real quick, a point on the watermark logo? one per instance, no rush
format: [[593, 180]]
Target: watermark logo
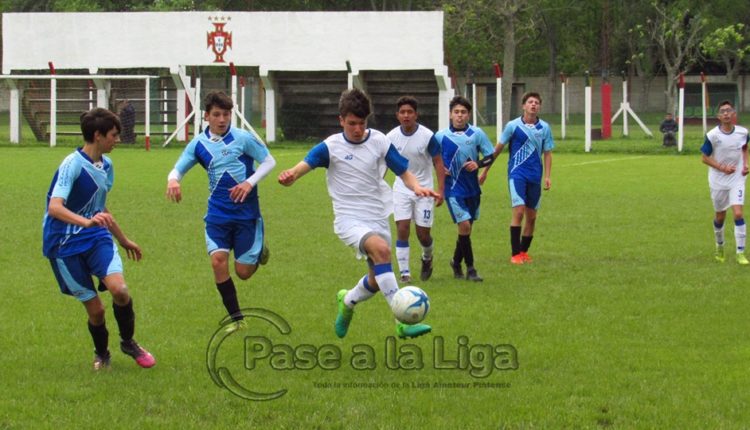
[[478, 361]]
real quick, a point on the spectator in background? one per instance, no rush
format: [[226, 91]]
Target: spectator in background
[[669, 128], [127, 118]]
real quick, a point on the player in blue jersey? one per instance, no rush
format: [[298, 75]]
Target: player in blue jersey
[[233, 219], [725, 152], [356, 161], [417, 143], [462, 143], [530, 143], [77, 236]]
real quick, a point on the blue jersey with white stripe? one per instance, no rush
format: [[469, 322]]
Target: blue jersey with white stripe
[[228, 160], [83, 186], [526, 143], [460, 146]]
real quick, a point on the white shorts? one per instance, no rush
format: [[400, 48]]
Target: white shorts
[[410, 206], [723, 199], [353, 232]]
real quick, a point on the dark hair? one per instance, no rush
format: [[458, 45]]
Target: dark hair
[[355, 102], [460, 100], [98, 119], [407, 100], [530, 94], [217, 99], [725, 102]]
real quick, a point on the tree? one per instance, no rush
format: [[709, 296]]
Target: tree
[[677, 32], [731, 44]]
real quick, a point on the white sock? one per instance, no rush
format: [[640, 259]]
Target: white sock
[[427, 252], [359, 293], [402, 256], [719, 233], [386, 281], [739, 235]]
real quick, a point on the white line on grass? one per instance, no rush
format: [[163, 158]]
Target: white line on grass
[[609, 160]]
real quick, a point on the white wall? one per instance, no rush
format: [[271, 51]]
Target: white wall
[[270, 40]]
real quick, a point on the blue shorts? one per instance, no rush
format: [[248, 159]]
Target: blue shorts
[[463, 208], [245, 238], [524, 193], [74, 273]]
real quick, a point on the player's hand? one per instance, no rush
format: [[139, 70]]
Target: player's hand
[[482, 177], [101, 219], [471, 166], [174, 192], [728, 168], [547, 183], [745, 170], [133, 250], [425, 192], [287, 177], [439, 199], [239, 192]]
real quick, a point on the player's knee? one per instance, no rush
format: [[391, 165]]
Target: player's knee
[[380, 254], [96, 314], [120, 294], [219, 260], [246, 271]]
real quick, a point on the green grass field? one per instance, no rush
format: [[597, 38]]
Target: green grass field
[[623, 320]]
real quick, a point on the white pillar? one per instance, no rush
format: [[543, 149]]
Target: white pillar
[[474, 102], [562, 108], [269, 83], [147, 114], [15, 112], [626, 107], [587, 116], [703, 102], [445, 93], [499, 108], [53, 112], [681, 119], [197, 118]]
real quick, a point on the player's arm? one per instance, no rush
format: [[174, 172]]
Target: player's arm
[[132, 248], [437, 161], [186, 161], [239, 192], [290, 176], [744, 160], [412, 183], [547, 169], [57, 210]]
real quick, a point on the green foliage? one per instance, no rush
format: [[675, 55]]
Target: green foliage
[[732, 40]]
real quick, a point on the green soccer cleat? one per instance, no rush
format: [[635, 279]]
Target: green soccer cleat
[[719, 253], [235, 326], [405, 331], [344, 317], [741, 259]]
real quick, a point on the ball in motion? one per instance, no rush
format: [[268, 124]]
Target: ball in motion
[[410, 304]]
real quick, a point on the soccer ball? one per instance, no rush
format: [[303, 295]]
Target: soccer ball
[[410, 304]]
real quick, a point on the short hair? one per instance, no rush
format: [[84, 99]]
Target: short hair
[[407, 100], [98, 119], [725, 102], [355, 102], [217, 99], [460, 100], [530, 94]]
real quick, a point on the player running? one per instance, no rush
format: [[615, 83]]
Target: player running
[[77, 237], [416, 143]]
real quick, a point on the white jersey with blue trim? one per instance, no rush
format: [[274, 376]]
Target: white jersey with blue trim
[[83, 185], [458, 147], [355, 174], [229, 160], [725, 148], [418, 147], [526, 144]]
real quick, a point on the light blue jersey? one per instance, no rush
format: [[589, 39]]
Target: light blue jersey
[[526, 143], [460, 146], [228, 160], [83, 185]]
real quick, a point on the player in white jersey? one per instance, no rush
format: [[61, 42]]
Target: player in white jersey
[[233, 219], [725, 152], [416, 143], [356, 161], [77, 237]]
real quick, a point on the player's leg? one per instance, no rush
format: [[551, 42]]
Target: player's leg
[[218, 244], [533, 199], [403, 208], [736, 201], [472, 205], [460, 215], [423, 218], [517, 192], [106, 264], [74, 278], [248, 243], [720, 200]]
